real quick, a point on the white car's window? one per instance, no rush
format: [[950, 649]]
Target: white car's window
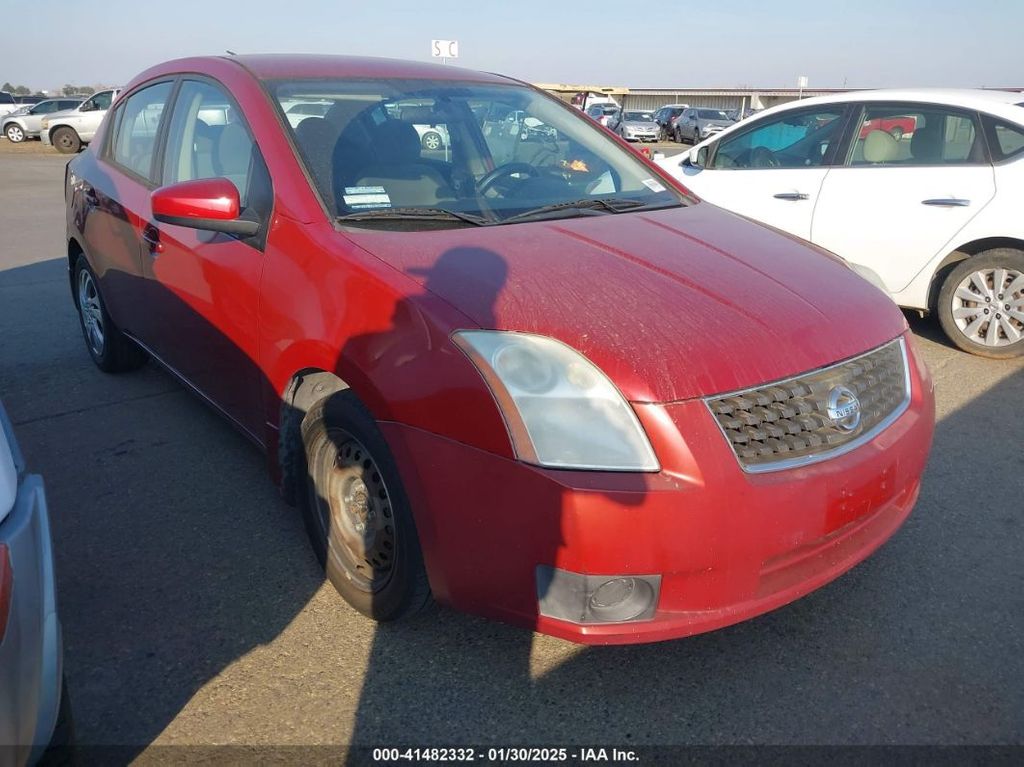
[[916, 136], [98, 102], [1009, 140], [137, 127], [487, 152], [207, 139], [790, 140]]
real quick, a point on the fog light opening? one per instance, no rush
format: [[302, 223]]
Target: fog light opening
[[620, 599]]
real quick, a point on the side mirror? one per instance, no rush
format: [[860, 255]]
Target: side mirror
[[211, 204], [696, 157]]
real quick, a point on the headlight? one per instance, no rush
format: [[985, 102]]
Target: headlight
[[561, 410]]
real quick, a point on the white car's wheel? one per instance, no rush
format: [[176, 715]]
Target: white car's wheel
[[431, 141], [15, 134], [981, 304]]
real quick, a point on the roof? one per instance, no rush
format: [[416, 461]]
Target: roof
[[976, 98], [300, 66]]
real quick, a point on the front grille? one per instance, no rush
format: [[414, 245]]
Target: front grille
[[793, 423]]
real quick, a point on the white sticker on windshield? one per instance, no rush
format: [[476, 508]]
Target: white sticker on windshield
[[653, 185], [359, 197]]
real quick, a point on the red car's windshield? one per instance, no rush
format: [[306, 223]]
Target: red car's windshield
[[488, 152]]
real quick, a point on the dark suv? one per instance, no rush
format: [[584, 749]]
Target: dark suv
[[666, 119]]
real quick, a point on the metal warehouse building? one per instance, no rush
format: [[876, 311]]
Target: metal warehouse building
[[722, 98]]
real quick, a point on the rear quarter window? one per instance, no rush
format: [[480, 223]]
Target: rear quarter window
[[1006, 140]]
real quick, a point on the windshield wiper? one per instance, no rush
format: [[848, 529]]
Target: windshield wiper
[[414, 214], [609, 205]]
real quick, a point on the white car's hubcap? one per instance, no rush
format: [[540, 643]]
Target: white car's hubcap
[[988, 307]]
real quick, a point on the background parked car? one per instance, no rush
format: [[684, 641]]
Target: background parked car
[[8, 103], [666, 118], [34, 706], [698, 123], [636, 125], [25, 123], [603, 113], [932, 217], [70, 129]]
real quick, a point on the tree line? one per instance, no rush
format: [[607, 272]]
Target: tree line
[[67, 90]]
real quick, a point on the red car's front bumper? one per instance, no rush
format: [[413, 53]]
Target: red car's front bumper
[[727, 545]]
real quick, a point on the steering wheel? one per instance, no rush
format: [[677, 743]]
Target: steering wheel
[[503, 171], [762, 157]]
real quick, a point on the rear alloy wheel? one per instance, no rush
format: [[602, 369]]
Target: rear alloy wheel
[[431, 141], [110, 349], [66, 140], [981, 304], [357, 514], [896, 132], [15, 133]]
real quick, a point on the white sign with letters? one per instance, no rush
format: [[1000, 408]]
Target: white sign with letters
[[444, 49]]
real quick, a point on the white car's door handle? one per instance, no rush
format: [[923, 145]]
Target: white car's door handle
[[794, 196], [947, 202]]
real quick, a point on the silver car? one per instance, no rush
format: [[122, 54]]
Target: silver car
[[25, 123], [636, 126], [697, 123], [35, 711]]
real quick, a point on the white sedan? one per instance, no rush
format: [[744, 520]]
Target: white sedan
[[919, 190]]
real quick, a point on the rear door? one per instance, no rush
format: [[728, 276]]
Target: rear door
[[772, 170], [914, 176], [202, 288]]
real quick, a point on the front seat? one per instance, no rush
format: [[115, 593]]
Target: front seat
[[234, 155], [316, 138], [408, 181], [926, 145], [880, 147]]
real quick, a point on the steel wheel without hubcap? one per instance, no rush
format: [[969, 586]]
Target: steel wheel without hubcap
[[359, 509], [988, 307], [15, 134], [92, 312]]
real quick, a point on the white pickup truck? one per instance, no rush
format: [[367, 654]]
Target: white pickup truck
[[70, 129], [8, 103]]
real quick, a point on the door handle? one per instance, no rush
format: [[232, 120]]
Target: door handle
[[151, 236], [793, 196], [947, 202]]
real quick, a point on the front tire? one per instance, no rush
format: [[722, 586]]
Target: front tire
[[110, 349], [15, 134], [66, 140], [981, 304], [357, 514]]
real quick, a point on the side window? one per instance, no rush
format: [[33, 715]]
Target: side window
[[798, 139], [1006, 140], [208, 139], [915, 136], [138, 124]]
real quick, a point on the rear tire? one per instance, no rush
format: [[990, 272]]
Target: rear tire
[[357, 514], [981, 304], [110, 349], [431, 141], [66, 140], [15, 134], [896, 132]]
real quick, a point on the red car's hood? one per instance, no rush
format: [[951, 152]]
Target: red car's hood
[[670, 304]]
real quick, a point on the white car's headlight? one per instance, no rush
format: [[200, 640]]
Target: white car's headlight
[[561, 410]]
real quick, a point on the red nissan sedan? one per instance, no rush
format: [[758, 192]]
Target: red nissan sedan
[[497, 358]]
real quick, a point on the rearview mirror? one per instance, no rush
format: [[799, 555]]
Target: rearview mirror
[[211, 204]]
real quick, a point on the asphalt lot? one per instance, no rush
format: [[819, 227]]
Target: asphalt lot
[[194, 612]]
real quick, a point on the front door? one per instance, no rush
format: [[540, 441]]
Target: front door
[[202, 287], [773, 170]]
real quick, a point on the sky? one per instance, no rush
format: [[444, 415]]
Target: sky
[[741, 43]]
